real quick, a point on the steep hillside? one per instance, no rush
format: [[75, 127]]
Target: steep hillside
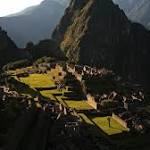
[[8, 50], [98, 33], [34, 23], [136, 10]]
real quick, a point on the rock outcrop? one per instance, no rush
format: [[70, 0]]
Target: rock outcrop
[[98, 33]]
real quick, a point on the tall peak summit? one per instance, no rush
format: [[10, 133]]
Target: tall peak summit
[[98, 33]]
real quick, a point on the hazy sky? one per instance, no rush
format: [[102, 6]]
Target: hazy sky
[[12, 6]]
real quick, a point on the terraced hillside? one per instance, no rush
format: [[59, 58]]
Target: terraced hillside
[[66, 96]]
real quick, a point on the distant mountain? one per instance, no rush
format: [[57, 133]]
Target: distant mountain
[[98, 33], [63, 2], [34, 23], [8, 50], [26, 11], [136, 10]]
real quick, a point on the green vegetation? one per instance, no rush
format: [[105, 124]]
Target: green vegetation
[[38, 80], [48, 94], [103, 124], [43, 80], [78, 105]]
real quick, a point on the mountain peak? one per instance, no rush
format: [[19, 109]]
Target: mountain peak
[[84, 18], [98, 33], [8, 50]]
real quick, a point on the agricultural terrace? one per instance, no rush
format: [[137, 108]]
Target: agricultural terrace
[[38, 80], [46, 80], [114, 128]]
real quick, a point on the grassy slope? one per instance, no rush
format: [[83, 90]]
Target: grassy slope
[[38, 80]]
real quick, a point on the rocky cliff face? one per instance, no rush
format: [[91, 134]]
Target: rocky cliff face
[[98, 33], [8, 50]]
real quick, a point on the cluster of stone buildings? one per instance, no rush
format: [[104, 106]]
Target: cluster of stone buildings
[[117, 100], [7, 95], [121, 101], [83, 71], [125, 108], [135, 120]]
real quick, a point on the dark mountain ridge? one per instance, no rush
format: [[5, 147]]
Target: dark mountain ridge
[[8, 50], [44, 48], [98, 33]]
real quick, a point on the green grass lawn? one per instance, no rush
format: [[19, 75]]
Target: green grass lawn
[[78, 105], [103, 124], [38, 80], [43, 80], [48, 94]]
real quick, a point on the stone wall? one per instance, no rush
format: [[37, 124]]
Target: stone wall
[[91, 101], [120, 121], [78, 77]]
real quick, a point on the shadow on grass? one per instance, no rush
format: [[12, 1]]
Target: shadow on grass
[[23, 88], [45, 88], [73, 96], [57, 94], [96, 133], [72, 99]]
